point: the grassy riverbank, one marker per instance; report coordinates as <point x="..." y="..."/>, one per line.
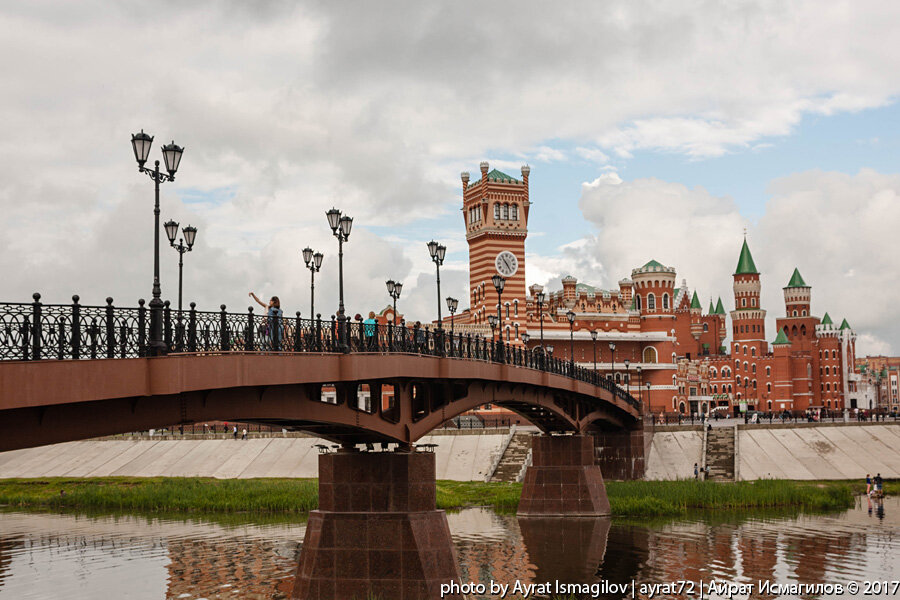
<point x="288" y="496"/>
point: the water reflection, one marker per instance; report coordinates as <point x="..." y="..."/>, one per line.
<point x="51" y="555"/>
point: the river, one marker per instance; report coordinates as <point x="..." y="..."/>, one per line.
<point x="76" y="556"/>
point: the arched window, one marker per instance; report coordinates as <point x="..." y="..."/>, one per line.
<point x="803" y="330"/>
<point x="674" y="380"/>
<point x="745" y="350"/>
<point x="649" y="355"/>
<point x="729" y="388"/>
<point x="516" y="303"/>
<point x="827" y="387"/>
<point x="753" y="351"/>
<point x="834" y="354"/>
<point x="504" y="212"/>
<point x="754" y="384"/>
<point x="651" y="302"/>
<point x="768" y="371"/>
<point x="715" y="389"/>
<point x="507" y="311"/>
<point x="743" y="302"/>
<point x="665" y="302"/>
<point x="827" y="371"/>
<point x="746" y="381"/>
<point x="705" y="327"/>
<point x="804" y="312"/>
<point x="769" y="388"/>
<point x="712" y="372"/>
<point x="753" y="368"/>
<point x="794" y="314"/>
<point x="514" y="212"/>
<point x="496" y="211"/>
<point x="746" y="366"/>
<point x="794" y="331"/>
<point x="637" y="301"/>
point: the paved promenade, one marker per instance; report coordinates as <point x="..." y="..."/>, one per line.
<point x="801" y="451"/>
<point x="459" y="458"/>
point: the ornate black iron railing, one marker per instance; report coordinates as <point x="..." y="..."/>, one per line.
<point x="36" y="331"/>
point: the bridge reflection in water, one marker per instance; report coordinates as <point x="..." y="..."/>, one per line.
<point x="44" y="555"/>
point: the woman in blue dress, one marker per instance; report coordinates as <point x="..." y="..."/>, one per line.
<point x="274" y="327"/>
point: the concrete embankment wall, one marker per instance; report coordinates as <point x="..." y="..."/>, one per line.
<point x="801" y="451"/>
<point x="458" y="457"/>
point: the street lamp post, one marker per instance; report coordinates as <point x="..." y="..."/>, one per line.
<point x="594" y="344"/>
<point x="140" y="143"/>
<point x="525" y="337"/>
<point x="313" y="263"/>
<point x="437" y="252"/>
<point x="185" y="244"/>
<point x="540" y="302"/>
<point x="492" y="321"/>
<point x="452" y="304"/>
<point x="648" y="397"/>
<point x="612" y="359"/>
<point x="626" y="362"/>
<point x="340" y="228"/>
<point x="499" y="283"/>
<point x="394" y="288"/>
<point x="571" y="317"/>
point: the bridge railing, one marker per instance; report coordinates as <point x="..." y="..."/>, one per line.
<point x="37" y="331"/>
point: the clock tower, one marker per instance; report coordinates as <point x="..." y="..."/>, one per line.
<point x="495" y="210"/>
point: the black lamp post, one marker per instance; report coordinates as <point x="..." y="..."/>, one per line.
<point x="648" y="396"/>
<point x="437" y="252"/>
<point x="340" y="228"/>
<point x="612" y="358"/>
<point x="313" y="263"/>
<point x="571" y="317"/>
<point x="185" y="244"/>
<point x="492" y="321"/>
<point x="539" y="297"/>
<point x="626" y="362"/>
<point x="499" y="283"/>
<point x="394" y="288"/>
<point x="452" y="304"/>
<point x="594" y="344"/>
<point x="140" y="143"/>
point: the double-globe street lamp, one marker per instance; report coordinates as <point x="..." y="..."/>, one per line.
<point x="313" y="262"/>
<point x="437" y="252"/>
<point x="612" y="359"/>
<point x="539" y="297"/>
<point x="493" y="321"/>
<point x="499" y="283"/>
<point x="571" y="317"/>
<point x="185" y="244"/>
<point x="594" y="344"/>
<point x="394" y="288"/>
<point x="340" y="228"/>
<point x="141" y="143"/>
<point x="452" y="305"/>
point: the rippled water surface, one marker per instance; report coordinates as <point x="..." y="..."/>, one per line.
<point x="52" y="555"/>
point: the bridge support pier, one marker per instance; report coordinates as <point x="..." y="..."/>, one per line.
<point x="377" y="532"/>
<point x="563" y="479"/>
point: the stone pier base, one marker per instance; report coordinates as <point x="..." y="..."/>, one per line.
<point x="563" y="479"/>
<point x="376" y="533"/>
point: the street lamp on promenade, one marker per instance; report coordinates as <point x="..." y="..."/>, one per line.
<point x="185" y="244"/>
<point x="492" y="321"/>
<point x="340" y="228"/>
<point x="594" y="344"/>
<point x="140" y="143"/>
<point x="571" y="317"/>
<point x="313" y="262"/>
<point x="499" y="283"/>
<point x="626" y="362"/>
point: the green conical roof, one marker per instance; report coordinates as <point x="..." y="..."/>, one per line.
<point x="745" y="262"/>
<point x="781" y="339"/>
<point x="653" y="263"/>
<point x="500" y="176"/>
<point x="720" y="310"/>
<point x="845" y="324"/>
<point x="796" y="279"/>
<point x="695" y="301"/>
<point x="826" y="320"/>
<point x="712" y="309"/>
<point x="633" y="307"/>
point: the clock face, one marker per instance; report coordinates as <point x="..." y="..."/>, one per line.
<point x="506" y="263"/>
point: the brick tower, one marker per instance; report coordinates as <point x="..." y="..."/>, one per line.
<point x="749" y="326"/>
<point x="495" y="210"/>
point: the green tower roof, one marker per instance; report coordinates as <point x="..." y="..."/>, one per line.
<point x="500" y="176"/>
<point x="653" y="263"/>
<point x="781" y="339"/>
<point x="695" y="301"/>
<point x="745" y="262"/>
<point x="826" y="320"/>
<point x="845" y="324"/>
<point x="712" y="309"/>
<point x="633" y="306"/>
<point x="796" y="280"/>
<point x="720" y="310"/>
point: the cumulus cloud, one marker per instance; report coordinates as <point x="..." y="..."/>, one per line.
<point x="289" y="109"/>
<point x="836" y="228"/>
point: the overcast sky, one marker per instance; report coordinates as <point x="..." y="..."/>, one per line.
<point x="653" y="129"/>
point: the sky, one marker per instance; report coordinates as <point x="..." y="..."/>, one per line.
<point x="653" y="130"/>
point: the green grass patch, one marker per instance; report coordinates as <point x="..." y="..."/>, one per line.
<point x="293" y="496"/>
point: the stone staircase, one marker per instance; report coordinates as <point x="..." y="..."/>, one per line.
<point x="512" y="460"/>
<point x="720" y="453"/>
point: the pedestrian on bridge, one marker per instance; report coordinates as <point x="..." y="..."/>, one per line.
<point x="274" y="329"/>
<point x="369" y="329"/>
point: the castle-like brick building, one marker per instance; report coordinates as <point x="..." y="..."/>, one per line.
<point x="650" y="335"/>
